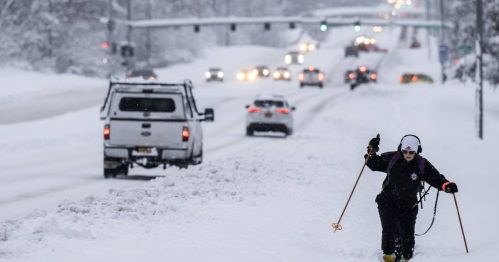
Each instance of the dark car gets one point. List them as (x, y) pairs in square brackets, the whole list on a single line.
[(351, 50), (146, 74), (262, 71), (361, 75)]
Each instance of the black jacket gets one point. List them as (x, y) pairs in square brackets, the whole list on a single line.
[(403, 182)]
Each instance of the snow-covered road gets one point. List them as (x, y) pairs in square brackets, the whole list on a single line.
[(262, 198)]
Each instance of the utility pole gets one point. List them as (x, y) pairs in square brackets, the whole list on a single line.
[(442, 62), (128, 32), (428, 44), (148, 32), (479, 47)]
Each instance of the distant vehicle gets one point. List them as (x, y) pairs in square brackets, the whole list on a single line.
[(361, 75), (262, 71), (368, 44), (248, 74), (311, 77), (214, 74), (281, 73), (269, 114), (351, 50), (146, 74), (408, 78), (151, 124), (415, 44), (294, 57), (307, 47)]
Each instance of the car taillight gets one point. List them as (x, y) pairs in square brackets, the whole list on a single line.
[(374, 76), (254, 109), (185, 134), (414, 78), (282, 110), (321, 76), (302, 77), (351, 76), (107, 132)]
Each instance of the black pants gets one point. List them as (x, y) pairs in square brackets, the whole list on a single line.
[(397, 223)]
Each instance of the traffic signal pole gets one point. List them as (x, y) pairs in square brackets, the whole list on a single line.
[(479, 43), (442, 62)]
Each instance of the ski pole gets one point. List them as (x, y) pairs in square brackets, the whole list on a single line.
[(337, 226), (460, 223)]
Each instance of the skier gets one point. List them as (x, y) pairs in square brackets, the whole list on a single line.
[(397, 203)]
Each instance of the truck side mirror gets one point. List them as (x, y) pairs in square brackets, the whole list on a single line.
[(209, 115)]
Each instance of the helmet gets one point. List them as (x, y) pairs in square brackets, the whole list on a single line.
[(410, 142)]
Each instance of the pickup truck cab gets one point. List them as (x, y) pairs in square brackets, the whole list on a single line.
[(151, 124)]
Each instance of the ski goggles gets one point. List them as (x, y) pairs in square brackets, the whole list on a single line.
[(407, 152)]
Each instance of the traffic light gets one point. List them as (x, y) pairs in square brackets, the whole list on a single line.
[(356, 26), (232, 27), (324, 26), (292, 25), (196, 28), (127, 50), (266, 26)]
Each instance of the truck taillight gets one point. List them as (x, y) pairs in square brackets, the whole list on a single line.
[(282, 110), (254, 109), (302, 77), (107, 132), (321, 76), (351, 76), (185, 134), (374, 76)]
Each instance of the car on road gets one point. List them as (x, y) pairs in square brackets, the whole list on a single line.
[(360, 75), (409, 78), (145, 74), (311, 76), (351, 50), (281, 73), (307, 47), (294, 57), (247, 74), (214, 74), (151, 124), (262, 71), (269, 113)]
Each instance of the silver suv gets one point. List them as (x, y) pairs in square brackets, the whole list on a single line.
[(269, 113), (151, 124)]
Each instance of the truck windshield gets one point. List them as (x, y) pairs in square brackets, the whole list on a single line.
[(141, 104)]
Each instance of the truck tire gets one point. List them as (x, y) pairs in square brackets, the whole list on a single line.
[(109, 173), (196, 160), (249, 131)]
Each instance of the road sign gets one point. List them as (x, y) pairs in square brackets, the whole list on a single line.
[(443, 52)]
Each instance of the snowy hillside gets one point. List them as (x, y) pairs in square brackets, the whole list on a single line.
[(262, 198)]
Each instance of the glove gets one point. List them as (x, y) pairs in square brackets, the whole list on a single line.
[(449, 187), (373, 146)]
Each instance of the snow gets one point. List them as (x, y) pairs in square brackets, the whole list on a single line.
[(263, 198)]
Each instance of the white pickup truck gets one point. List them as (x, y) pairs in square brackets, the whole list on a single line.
[(151, 124)]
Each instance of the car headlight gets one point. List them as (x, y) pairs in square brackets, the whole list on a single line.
[(240, 76), (303, 47), (287, 59), (277, 74), (301, 59), (266, 72), (220, 74), (311, 47), (286, 75), (207, 74)]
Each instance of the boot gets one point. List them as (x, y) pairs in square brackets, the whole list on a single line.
[(389, 257), (404, 259)]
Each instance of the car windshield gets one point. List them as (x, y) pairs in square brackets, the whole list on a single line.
[(215, 69), (269, 103)]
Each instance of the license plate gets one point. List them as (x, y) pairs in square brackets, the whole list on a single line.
[(145, 151), (268, 114)]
